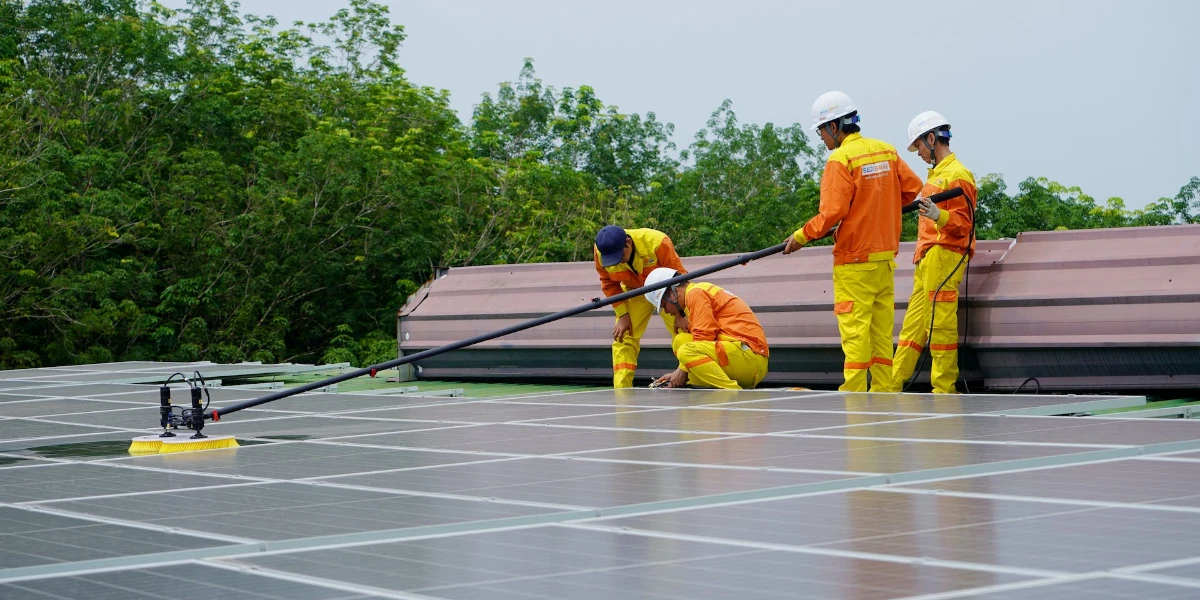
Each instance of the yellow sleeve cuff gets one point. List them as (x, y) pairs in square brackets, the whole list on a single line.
[(620, 309), (943, 218), (800, 237)]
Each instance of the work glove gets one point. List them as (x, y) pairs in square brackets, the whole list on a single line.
[(929, 210)]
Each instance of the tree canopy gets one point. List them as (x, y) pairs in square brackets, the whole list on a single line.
[(204, 184)]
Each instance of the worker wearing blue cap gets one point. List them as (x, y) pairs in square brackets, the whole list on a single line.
[(624, 258)]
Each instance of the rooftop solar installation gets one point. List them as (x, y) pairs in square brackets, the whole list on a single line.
[(671, 494)]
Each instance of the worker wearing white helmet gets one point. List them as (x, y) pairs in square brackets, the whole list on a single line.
[(725, 348), (863, 188), (945, 242)]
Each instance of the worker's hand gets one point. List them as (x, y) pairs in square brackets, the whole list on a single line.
[(678, 379), (623, 327), (928, 209), (792, 245), (681, 325)]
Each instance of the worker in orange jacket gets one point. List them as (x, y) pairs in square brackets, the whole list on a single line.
[(624, 258), (725, 348), (944, 246), (863, 188)]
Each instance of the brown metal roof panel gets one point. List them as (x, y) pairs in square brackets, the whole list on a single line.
[(1083, 293)]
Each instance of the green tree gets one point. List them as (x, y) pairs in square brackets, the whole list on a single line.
[(747, 188), (1044, 205), (1186, 204), (203, 184)]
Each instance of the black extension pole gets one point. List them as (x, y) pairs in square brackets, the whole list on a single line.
[(745, 258), (949, 194), (216, 414)]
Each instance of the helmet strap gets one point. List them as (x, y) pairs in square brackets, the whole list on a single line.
[(675, 289), (933, 159), (837, 142)]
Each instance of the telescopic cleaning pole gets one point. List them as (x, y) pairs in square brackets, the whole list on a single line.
[(216, 414)]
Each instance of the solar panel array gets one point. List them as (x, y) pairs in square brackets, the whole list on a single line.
[(604, 494)]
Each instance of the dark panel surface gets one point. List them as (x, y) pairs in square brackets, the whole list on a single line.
[(948, 404), (529, 439), (582, 482), (840, 454), (487, 412), (558, 562), (30, 538), (975, 530), (285, 510), (59, 481), (1057, 430), (1164, 482), (722, 421), (1103, 588), (186, 582)]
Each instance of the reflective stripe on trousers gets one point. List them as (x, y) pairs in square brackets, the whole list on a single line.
[(719, 364), (864, 302), (933, 269), (625, 352)]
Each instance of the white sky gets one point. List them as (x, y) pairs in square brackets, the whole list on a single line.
[(1096, 93)]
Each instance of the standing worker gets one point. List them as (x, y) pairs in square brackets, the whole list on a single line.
[(945, 244), (864, 186), (726, 347), (624, 258)]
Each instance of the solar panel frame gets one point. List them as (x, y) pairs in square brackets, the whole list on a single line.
[(326, 474)]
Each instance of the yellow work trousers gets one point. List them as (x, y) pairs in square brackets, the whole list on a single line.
[(625, 352), (727, 365), (864, 302), (938, 265)]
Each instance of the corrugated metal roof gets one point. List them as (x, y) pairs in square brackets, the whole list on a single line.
[(1051, 305)]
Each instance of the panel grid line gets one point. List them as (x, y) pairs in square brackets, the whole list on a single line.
[(509, 458)]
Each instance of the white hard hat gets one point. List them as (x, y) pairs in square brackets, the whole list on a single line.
[(922, 124), (830, 106), (657, 276)]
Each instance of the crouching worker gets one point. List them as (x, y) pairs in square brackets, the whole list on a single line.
[(624, 259), (725, 346)]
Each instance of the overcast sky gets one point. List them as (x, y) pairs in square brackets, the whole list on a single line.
[(1095, 93)]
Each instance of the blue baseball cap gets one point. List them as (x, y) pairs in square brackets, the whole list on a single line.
[(610, 241)]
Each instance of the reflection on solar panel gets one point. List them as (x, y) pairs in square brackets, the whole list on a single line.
[(598, 494)]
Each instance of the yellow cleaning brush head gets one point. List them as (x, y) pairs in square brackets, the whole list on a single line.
[(152, 444), (146, 444)]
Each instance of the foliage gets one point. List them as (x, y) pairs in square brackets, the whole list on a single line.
[(1041, 205), (203, 184), (748, 187)]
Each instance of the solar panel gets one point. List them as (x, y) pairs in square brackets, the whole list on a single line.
[(612, 493), (280, 511), (561, 562), (1168, 483), (991, 531), (199, 581), (1189, 572), (53, 407), (1109, 588), (583, 483), (29, 537), (57, 481)]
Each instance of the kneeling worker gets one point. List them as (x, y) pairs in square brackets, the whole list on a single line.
[(726, 347)]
